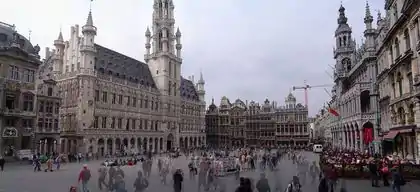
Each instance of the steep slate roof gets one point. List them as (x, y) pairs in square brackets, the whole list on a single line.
[(113, 63), (8, 36), (119, 65), (188, 90)]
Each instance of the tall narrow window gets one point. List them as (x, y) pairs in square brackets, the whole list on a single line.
[(175, 89), (50, 91), (160, 43), (400, 84), (104, 122), (96, 95), (28, 102), (410, 81), (95, 122), (113, 123), (407, 40), (104, 96), (397, 47), (345, 41), (169, 88), (391, 54)]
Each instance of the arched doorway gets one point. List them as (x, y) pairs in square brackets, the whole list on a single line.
[(181, 143), (101, 146), (367, 133), (161, 144), (109, 147), (169, 142), (118, 145)]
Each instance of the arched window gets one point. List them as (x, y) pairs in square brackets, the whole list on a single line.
[(166, 9), (160, 43), (401, 115), (407, 40), (346, 63), (397, 47), (340, 41), (168, 36), (411, 113), (160, 9), (345, 41)]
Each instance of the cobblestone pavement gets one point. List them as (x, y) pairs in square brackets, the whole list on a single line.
[(23, 179)]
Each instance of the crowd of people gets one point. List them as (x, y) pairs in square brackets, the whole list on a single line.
[(337, 163), (207, 168)]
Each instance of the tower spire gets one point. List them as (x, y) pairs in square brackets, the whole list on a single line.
[(368, 16), (90, 5), (342, 19)]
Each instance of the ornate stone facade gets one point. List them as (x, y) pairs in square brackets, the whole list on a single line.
[(47, 132), (113, 103), (354, 93), (19, 61), (242, 123), (398, 63), (384, 93)]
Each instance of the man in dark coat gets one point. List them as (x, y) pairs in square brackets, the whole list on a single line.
[(178, 179)]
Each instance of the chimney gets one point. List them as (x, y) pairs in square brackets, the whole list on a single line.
[(47, 52), (76, 27)]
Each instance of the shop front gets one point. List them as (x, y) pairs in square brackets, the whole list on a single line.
[(401, 142)]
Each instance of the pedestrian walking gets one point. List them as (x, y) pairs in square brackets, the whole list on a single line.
[(178, 179), (102, 176), (2, 162), (84, 177), (262, 184), (141, 183)]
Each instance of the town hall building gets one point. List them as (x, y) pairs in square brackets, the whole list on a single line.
[(112, 103)]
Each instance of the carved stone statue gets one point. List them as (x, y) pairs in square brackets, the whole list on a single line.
[(37, 49)]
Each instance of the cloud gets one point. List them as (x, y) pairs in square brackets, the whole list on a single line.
[(251, 50)]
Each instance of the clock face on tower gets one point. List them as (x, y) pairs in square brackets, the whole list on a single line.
[(10, 132)]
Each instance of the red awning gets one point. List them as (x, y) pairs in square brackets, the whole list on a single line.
[(391, 134)]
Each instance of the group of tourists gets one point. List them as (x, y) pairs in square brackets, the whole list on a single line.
[(338, 163)]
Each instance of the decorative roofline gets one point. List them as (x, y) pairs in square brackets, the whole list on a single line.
[(13, 27)]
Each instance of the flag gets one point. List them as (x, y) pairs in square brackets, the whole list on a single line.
[(333, 112)]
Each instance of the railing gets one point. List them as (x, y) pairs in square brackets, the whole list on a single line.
[(18, 112)]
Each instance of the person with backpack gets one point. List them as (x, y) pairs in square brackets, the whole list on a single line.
[(294, 186), (140, 184), (84, 177), (397, 180)]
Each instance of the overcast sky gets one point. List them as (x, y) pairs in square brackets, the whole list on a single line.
[(247, 49)]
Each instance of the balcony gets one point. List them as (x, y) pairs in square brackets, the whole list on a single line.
[(90, 48), (48, 131), (18, 113)]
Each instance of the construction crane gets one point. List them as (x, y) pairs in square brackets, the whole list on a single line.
[(306, 87)]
